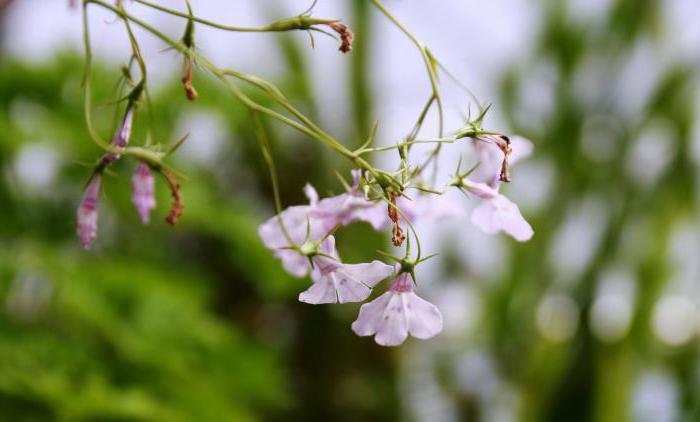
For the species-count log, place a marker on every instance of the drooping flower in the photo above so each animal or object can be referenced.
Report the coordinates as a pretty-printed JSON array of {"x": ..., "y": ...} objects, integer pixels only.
[
  {"x": 397, "y": 313},
  {"x": 497, "y": 213},
  {"x": 87, "y": 213},
  {"x": 489, "y": 151},
  {"x": 335, "y": 282},
  {"x": 142, "y": 192},
  {"x": 292, "y": 228}
]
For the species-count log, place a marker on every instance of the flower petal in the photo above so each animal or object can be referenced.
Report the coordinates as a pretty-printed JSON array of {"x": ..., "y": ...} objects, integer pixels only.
[
  {"x": 293, "y": 262},
  {"x": 369, "y": 273},
  {"x": 311, "y": 194},
  {"x": 500, "y": 214},
  {"x": 321, "y": 291},
  {"x": 424, "y": 318},
  {"x": 393, "y": 327},
  {"x": 371, "y": 315}
]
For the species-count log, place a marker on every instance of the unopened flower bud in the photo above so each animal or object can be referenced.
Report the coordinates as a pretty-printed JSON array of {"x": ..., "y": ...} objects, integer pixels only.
[
  {"x": 142, "y": 192},
  {"x": 87, "y": 213},
  {"x": 190, "y": 91},
  {"x": 397, "y": 235},
  {"x": 121, "y": 136}
]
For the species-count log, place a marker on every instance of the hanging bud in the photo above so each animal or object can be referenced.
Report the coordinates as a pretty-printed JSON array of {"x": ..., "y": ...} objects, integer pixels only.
[
  {"x": 142, "y": 192},
  {"x": 397, "y": 235},
  {"x": 345, "y": 36},
  {"x": 87, "y": 213},
  {"x": 121, "y": 136},
  {"x": 188, "y": 41},
  {"x": 190, "y": 91},
  {"x": 178, "y": 203}
]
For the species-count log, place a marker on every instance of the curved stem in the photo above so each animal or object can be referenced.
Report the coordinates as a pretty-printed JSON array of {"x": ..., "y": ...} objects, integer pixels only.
[{"x": 87, "y": 110}]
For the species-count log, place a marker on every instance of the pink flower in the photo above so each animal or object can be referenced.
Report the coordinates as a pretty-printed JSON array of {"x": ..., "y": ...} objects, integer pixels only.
[
  {"x": 347, "y": 208},
  {"x": 335, "y": 282},
  {"x": 142, "y": 192},
  {"x": 397, "y": 313},
  {"x": 497, "y": 213},
  {"x": 296, "y": 221},
  {"x": 490, "y": 157},
  {"x": 429, "y": 207},
  {"x": 87, "y": 213}
]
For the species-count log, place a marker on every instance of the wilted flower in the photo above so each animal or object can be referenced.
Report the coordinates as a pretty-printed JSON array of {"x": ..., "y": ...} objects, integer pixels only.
[
  {"x": 497, "y": 213},
  {"x": 87, "y": 213},
  {"x": 489, "y": 150},
  {"x": 345, "y": 36},
  {"x": 335, "y": 282},
  {"x": 142, "y": 192},
  {"x": 397, "y": 313}
]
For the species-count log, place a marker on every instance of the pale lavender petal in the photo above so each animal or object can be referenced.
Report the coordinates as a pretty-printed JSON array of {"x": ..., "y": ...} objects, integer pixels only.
[
  {"x": 311, "y": 194},
  {"x": 295, "y": 220},
  {"x": 87, "y": 213},
  {"x": 522, "y": 148},
  {"x": 142, "y": 192},
  {"x": 424, "y": 318},
  {"x": 293, "y": 262},
  {"x": 429, "y": 207},
  {"x": 369, "y": 273},
  {"x": 348, "y": 289},
  {"x": 356, "y": 176},
  {"x": 322, "y": 290},
  {"x": 482, "y": 190},
  {"x": 489, "y": 157},
  {"x": 500, "y": 214},
  {"x": 393, "y": 328},
  {"x": 371, "y": 315}
]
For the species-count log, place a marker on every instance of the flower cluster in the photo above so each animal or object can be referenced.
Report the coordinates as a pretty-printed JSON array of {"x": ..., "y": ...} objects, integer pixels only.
[{"x": 302, "y": 238}]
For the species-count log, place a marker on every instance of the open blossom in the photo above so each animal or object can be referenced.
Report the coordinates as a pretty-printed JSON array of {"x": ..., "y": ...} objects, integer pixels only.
[
  {"x": 497, "y": 213},
  {"x": 347, "y": 208},
  {"x": 397, "y": 313},
  {"x": 297, "y": 224},
  {"x": 142, "y": 192},
  {"x": 87, "y": 213},
  {"x": 429, "y": 207},
  {"x": 335, "y": 282}
]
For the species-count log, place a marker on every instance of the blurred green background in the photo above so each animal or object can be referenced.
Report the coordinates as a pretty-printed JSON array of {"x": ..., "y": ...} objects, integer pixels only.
[{"x": 597, "y": 318}]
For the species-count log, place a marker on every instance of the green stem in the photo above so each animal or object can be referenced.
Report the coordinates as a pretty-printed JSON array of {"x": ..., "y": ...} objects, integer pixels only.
[
  {"x": 297, "y": 23},
  {"x": 221, "y": 74}
]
